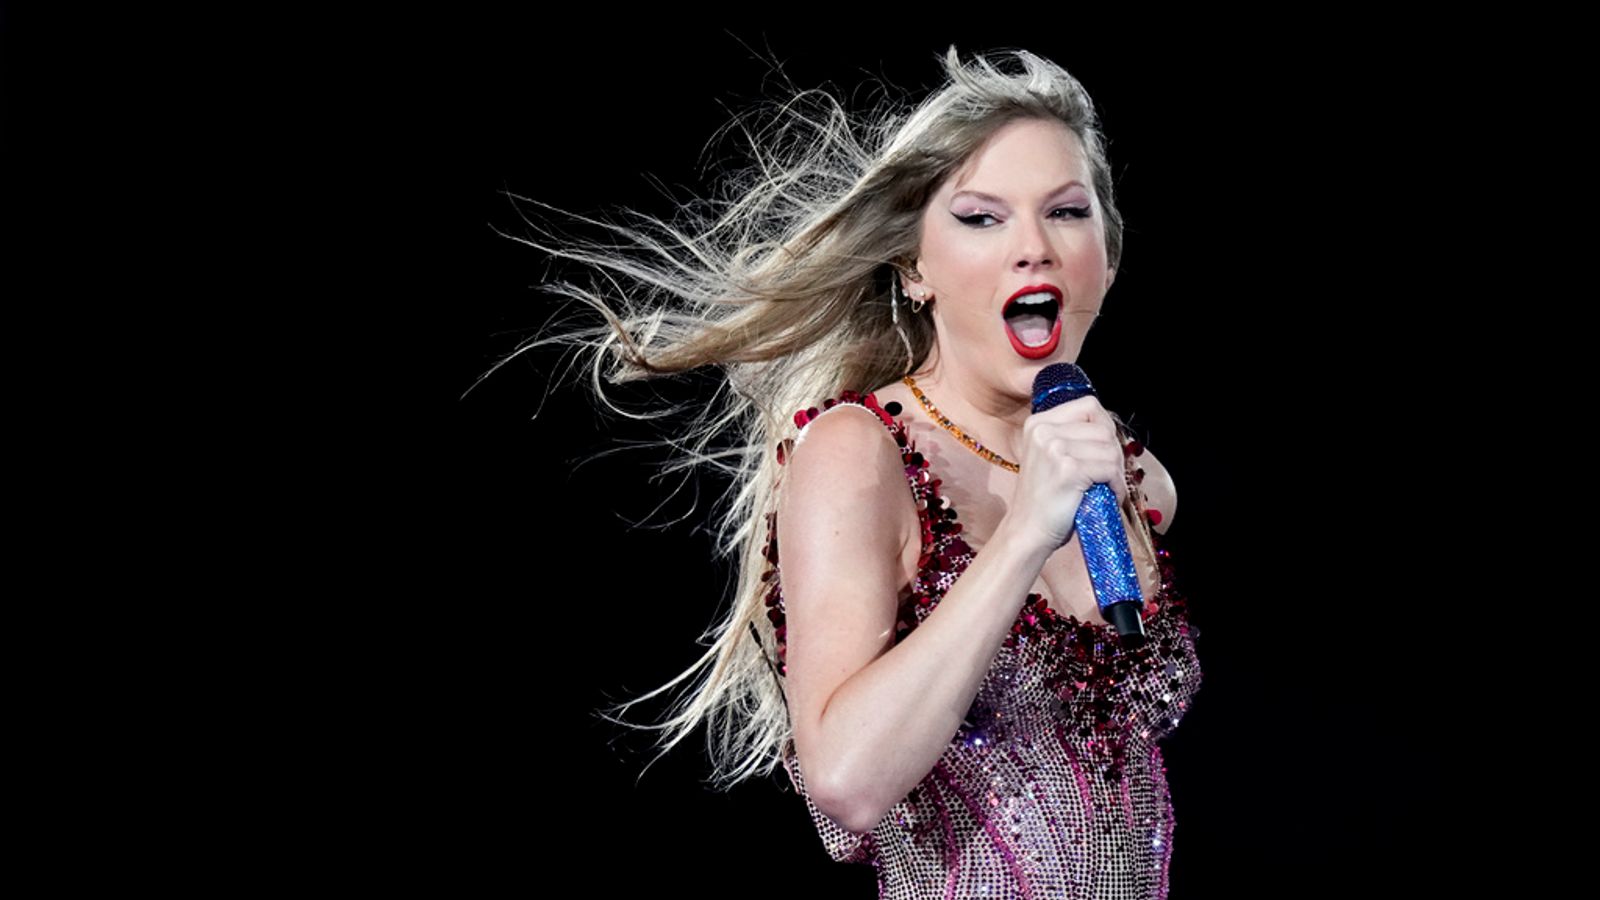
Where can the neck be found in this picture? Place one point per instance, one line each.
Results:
(984, 411)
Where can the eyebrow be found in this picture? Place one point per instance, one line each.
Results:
(993, 199)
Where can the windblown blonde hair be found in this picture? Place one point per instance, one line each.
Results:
(783, 282)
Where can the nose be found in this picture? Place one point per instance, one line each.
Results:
(1033, 251)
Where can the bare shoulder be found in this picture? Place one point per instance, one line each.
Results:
(846, 460)
(845, 430)
(1160, 491)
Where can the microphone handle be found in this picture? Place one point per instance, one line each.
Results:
(1106, 554)
(1110, 562)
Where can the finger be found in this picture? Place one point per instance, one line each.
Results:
(1092, 432)
(1083, 409)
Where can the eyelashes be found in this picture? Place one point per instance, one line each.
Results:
(1075, 212)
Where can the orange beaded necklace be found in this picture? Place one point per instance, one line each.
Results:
(973, 445)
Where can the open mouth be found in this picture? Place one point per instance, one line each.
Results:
(1033, 322)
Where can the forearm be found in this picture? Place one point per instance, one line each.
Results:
(888, 724)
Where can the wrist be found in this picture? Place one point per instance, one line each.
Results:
(1023, 544)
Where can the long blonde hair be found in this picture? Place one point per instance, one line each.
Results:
(782, 281)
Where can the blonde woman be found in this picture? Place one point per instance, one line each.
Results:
(914, 637)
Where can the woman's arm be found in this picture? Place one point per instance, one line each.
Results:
(871, 717)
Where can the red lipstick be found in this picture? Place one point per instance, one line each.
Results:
(1049, 346)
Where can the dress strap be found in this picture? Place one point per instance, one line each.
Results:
(934, 522)
(869, 402)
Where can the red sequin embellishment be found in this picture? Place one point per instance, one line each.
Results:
(1060, 739)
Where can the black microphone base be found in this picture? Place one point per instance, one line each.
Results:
(1127, 619)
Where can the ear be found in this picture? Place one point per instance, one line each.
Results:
(1111, 275)
(907, 285)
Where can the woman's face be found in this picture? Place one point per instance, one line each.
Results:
(1021, 213)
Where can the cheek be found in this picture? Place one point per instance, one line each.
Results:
(959, 264)
(1086, 272)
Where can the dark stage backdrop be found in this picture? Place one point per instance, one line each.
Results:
(1263, 335)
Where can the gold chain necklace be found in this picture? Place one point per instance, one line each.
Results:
(974, 446)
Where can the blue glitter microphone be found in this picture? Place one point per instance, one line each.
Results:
(1098, 522)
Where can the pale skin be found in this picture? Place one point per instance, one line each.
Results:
(871, 717)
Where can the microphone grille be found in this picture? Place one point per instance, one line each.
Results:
(1058, 383)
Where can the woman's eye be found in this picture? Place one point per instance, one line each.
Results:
(1076, 212)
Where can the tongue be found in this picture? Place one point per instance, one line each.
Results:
(1030, 329)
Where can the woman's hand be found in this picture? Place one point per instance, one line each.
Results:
(1065, 451)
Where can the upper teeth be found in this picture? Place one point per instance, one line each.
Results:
(1036, 297)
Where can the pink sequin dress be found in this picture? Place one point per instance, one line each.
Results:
(1054, 785)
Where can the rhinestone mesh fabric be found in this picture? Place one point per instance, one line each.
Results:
(1054, 786)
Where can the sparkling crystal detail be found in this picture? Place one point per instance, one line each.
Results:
(1054, 784)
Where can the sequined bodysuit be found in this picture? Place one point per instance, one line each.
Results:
(1054, 786)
